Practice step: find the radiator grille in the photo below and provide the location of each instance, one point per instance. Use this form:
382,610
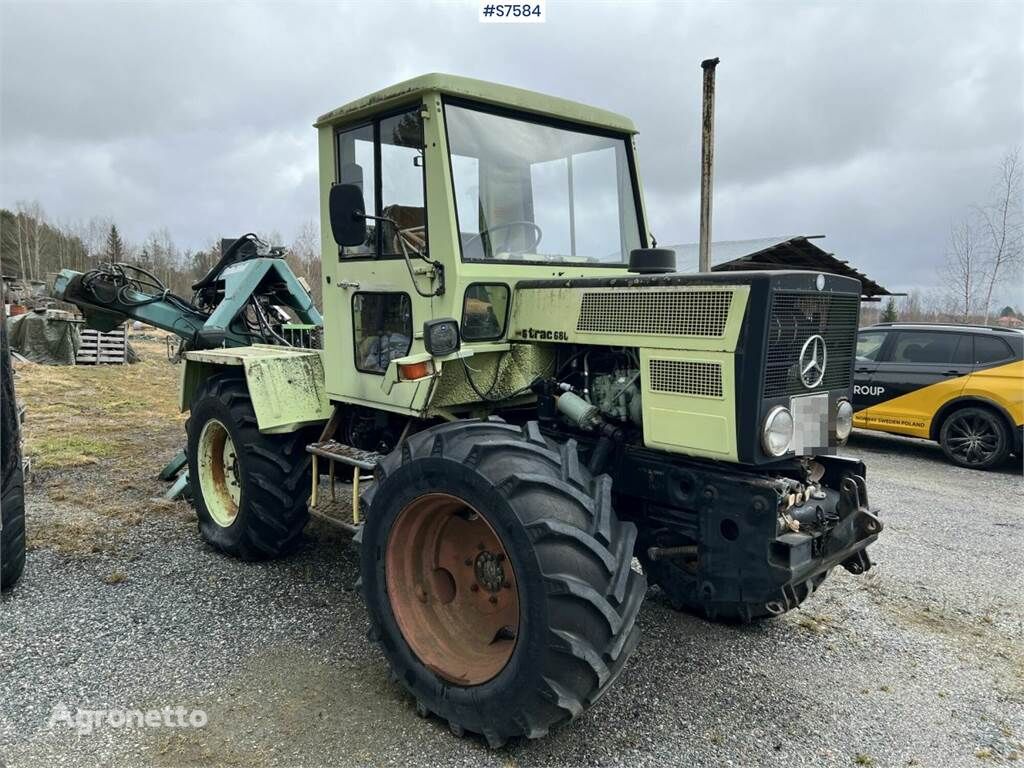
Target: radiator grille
796,316
658,313
686,377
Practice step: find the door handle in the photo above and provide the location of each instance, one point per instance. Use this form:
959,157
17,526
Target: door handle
862,370
952,373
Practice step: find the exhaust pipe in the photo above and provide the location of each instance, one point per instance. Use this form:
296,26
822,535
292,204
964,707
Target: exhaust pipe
707,163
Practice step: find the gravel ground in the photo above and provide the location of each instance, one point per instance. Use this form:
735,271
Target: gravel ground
921,662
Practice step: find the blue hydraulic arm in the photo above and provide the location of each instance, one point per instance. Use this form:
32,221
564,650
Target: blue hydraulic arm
111,295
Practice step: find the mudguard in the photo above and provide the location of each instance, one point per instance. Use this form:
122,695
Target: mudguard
286,384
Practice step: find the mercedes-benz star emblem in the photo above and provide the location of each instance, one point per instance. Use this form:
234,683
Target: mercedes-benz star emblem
813,358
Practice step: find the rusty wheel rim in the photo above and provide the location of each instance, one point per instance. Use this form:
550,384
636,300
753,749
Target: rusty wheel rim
452,589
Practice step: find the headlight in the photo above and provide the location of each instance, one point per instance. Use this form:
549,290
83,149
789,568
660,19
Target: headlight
778,431
844,420
441,337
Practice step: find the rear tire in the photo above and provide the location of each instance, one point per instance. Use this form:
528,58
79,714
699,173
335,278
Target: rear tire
570,556
250,490
12,479
12,537
975,438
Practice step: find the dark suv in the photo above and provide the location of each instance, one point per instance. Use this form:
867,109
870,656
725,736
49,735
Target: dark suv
960,385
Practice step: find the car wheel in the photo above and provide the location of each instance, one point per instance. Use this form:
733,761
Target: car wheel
975,438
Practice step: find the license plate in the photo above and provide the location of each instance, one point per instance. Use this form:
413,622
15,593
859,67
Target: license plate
810,423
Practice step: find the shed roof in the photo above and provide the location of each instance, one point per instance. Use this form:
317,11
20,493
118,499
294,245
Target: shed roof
478,90
791,252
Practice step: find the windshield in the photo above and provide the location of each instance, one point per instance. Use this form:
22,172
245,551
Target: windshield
525,191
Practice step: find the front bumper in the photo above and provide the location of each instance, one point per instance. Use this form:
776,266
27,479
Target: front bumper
766,558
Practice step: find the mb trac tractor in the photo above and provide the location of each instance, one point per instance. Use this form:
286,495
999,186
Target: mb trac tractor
541,399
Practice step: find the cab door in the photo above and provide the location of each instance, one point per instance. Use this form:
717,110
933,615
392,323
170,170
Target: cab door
918,371
373,307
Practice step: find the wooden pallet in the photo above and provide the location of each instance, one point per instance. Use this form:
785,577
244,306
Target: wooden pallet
103,348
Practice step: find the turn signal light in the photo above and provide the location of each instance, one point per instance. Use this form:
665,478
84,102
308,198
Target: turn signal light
412,371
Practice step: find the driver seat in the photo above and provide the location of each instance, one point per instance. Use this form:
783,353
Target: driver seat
407,217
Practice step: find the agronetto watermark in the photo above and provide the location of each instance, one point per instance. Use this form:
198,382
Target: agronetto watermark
86,721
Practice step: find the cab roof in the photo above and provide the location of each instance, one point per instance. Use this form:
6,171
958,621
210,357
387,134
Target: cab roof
477,90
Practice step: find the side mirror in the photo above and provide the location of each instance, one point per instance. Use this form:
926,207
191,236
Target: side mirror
348,214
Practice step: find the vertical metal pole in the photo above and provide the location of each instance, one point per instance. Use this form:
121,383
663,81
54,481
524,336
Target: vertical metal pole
707,163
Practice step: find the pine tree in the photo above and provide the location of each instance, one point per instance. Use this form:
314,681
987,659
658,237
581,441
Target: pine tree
115,246
889,313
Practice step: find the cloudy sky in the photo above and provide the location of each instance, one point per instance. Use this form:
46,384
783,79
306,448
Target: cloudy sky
876,124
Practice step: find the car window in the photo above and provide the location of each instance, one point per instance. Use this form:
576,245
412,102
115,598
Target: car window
925,347
989,349
964,354
869,344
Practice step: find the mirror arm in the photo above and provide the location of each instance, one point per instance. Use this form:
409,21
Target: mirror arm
403,240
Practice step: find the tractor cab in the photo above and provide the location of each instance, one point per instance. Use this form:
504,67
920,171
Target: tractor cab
439,195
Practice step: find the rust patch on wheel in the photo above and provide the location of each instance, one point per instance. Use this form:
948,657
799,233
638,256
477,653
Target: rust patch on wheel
452,589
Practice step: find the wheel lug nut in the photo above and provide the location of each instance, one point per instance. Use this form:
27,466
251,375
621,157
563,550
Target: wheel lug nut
493,599
475,587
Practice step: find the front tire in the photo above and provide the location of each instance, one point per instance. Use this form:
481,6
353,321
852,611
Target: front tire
250,490
494,505
975,438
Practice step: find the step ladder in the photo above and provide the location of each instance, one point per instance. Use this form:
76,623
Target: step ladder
102,348
338,453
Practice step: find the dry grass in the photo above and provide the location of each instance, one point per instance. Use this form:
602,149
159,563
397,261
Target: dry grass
97,436
80,414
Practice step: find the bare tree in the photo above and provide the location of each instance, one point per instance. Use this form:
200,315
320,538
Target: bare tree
31,224
963,269
304,257
912,306
1001,227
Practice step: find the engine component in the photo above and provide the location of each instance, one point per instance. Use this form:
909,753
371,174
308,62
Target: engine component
617,395
578,411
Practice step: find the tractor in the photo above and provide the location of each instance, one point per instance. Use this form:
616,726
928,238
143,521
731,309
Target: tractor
553,416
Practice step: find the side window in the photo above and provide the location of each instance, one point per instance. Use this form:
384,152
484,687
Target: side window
382,327
401,173
925,347
357,165
989,349
869,344
385,159
964,354
484,312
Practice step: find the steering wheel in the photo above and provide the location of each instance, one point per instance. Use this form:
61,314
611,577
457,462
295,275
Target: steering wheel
486,237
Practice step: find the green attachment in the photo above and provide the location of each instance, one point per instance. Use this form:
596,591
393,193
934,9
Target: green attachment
107,308
173,467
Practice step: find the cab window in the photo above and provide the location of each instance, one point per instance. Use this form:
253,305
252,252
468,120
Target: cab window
484,312
926,347
382,326
357,164
385,159
988,349
869,344
401,177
